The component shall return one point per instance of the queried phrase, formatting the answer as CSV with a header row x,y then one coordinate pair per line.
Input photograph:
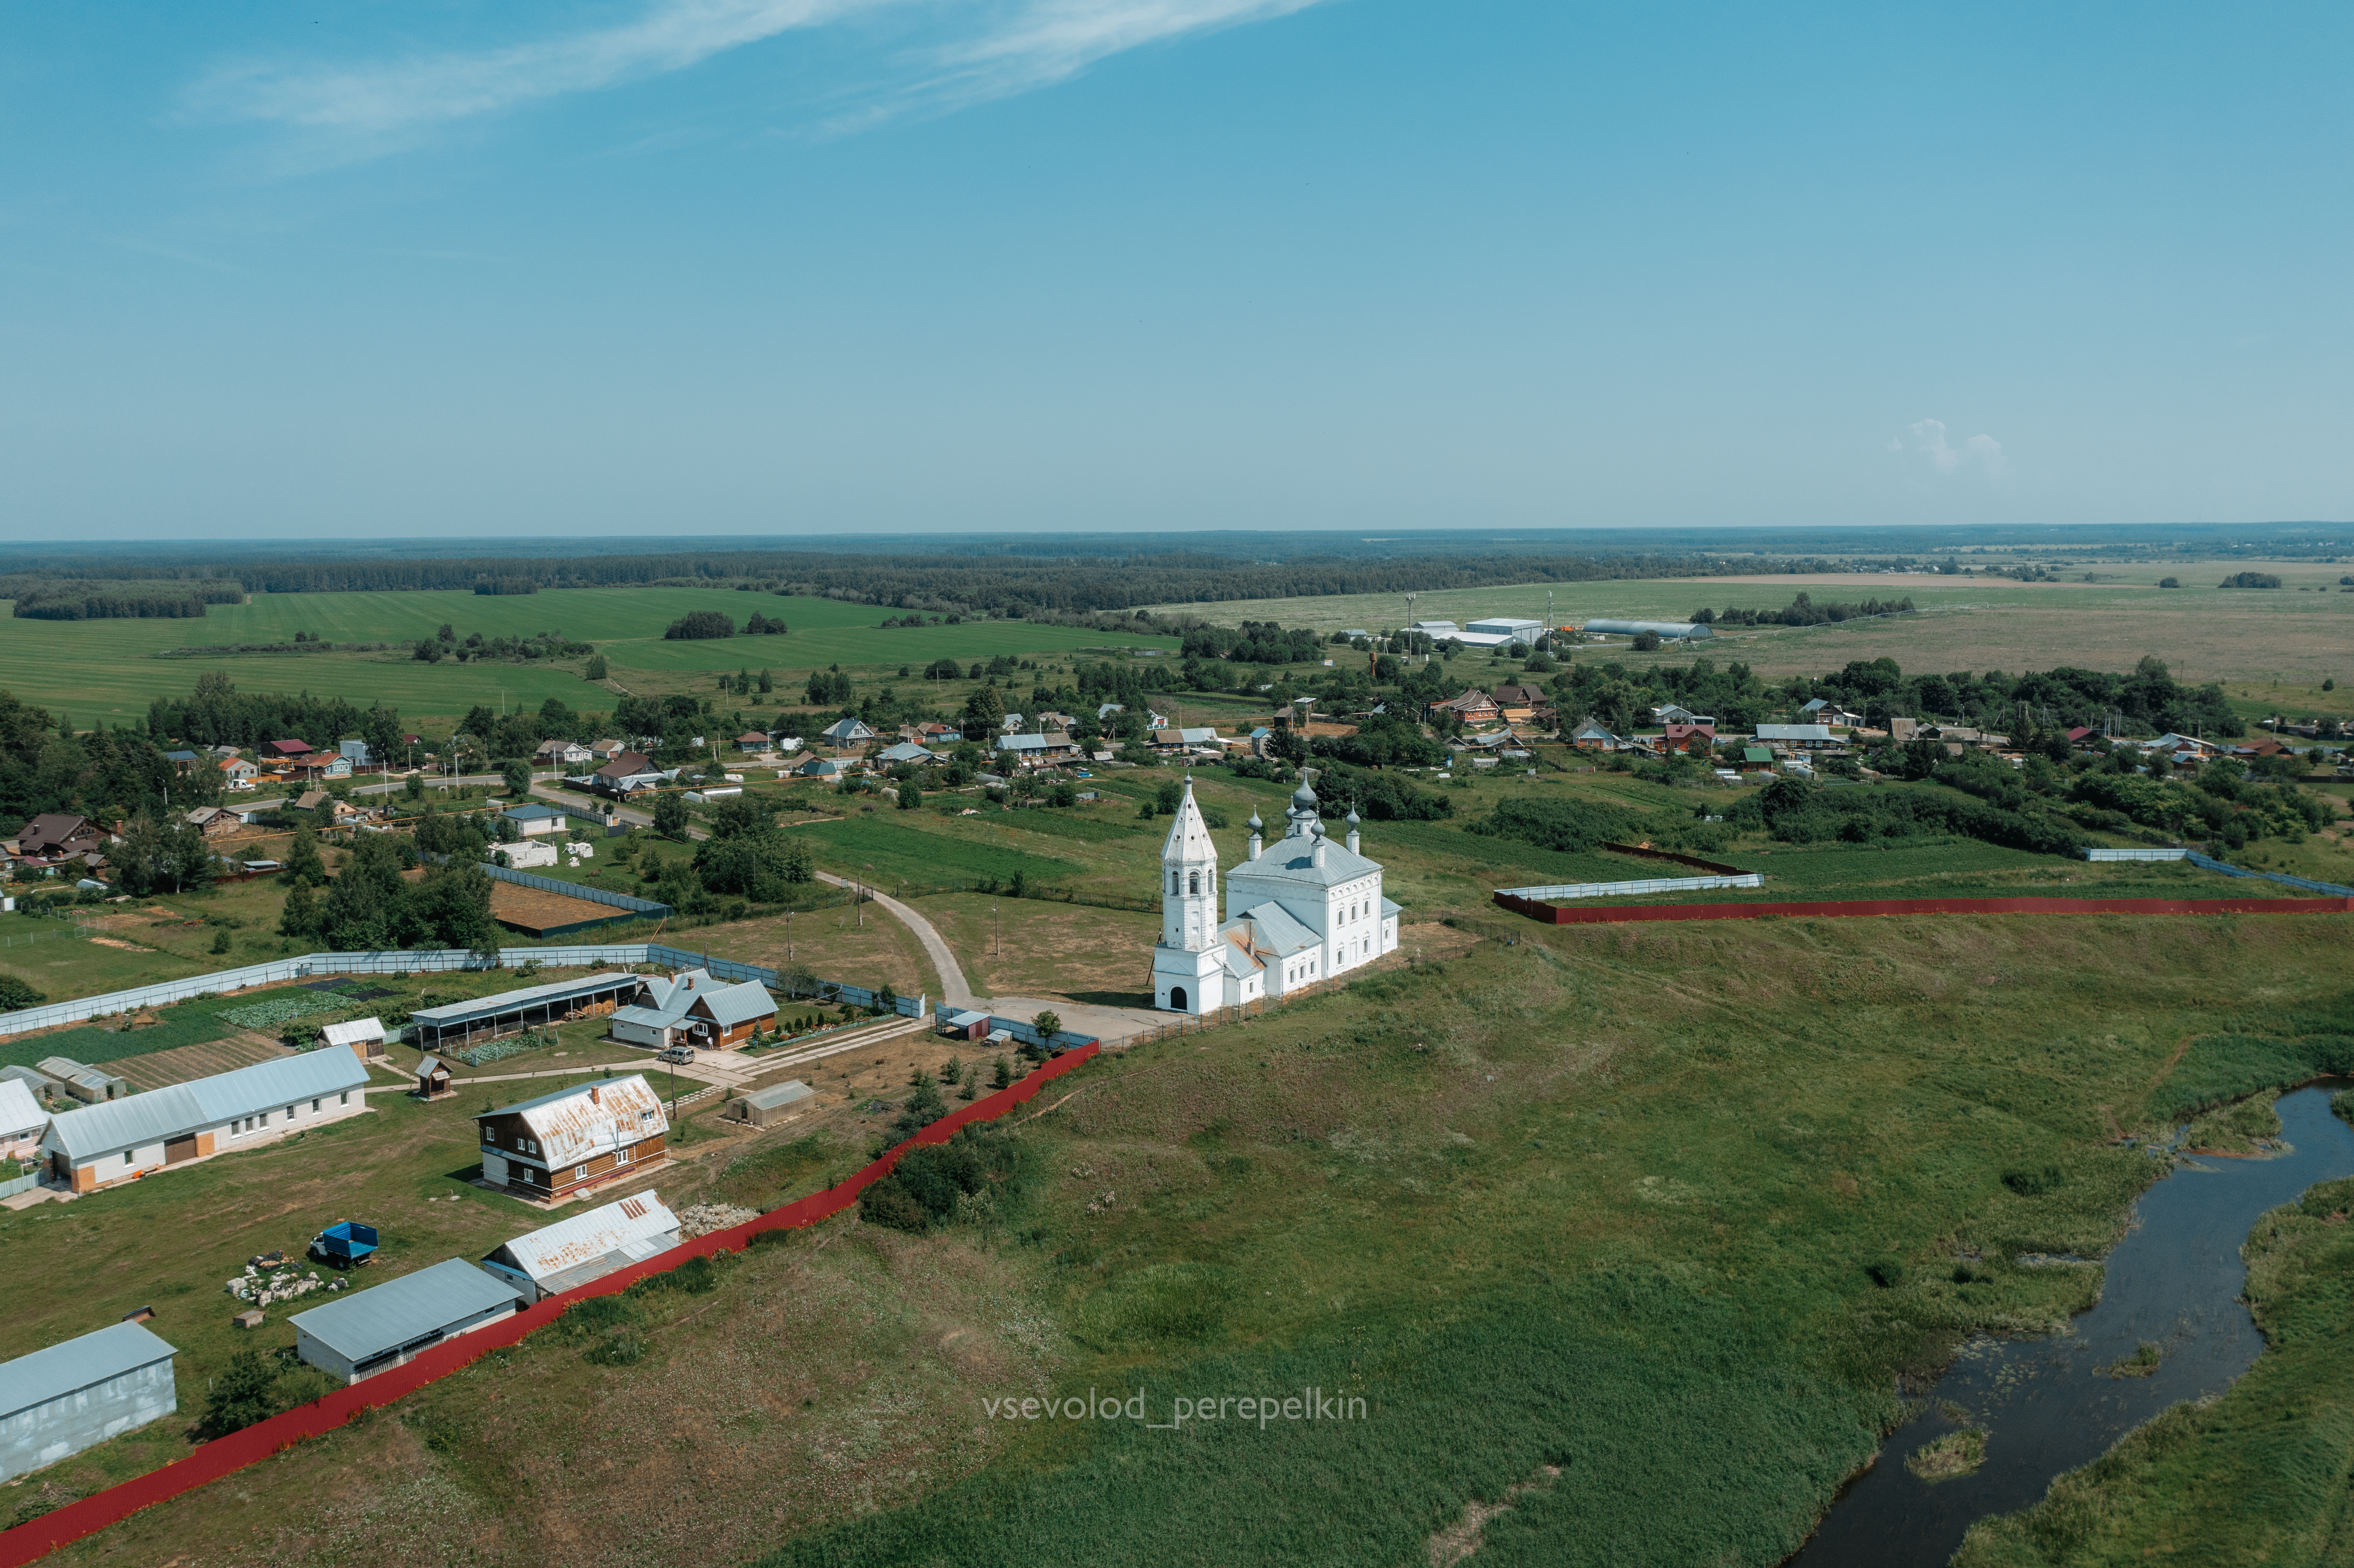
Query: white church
x,y
1304,910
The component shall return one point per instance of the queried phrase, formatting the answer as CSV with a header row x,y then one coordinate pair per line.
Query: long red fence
x,y
227,1456
1556,915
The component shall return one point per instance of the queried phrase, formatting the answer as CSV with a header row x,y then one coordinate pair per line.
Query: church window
x,y
1194,882
1173,883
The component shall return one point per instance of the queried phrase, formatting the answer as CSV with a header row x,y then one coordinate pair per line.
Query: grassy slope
x,y
1615,1218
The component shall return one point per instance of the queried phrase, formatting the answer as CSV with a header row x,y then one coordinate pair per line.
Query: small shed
x,y
765,1107
84,1083
22,1119
363,1037
965,1025
62,1400
432,1080
369,1331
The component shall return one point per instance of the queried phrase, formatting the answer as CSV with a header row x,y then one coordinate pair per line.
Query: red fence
x,y
227,1456
1555,914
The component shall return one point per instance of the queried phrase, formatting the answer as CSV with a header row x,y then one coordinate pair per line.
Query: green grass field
x,y
2260,637
1608,1201
105,669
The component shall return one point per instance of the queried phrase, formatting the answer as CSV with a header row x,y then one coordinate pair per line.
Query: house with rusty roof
x,y
561,1143
570,1253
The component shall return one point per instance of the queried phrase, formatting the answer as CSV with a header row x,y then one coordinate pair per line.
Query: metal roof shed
x,y
764,1107
456,1024
62,1400
376,1330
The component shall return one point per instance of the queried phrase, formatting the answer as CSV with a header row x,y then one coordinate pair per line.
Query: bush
x,y
15,994
245,1392
2033,1183
886,1203
2251,580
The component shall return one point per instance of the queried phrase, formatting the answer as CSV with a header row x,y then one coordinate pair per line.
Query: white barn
x,y
1297,912
120,1140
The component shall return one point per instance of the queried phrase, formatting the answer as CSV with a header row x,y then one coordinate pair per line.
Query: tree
x,y
1002,1076
767,682
737,815
984,713
516,777
220,940
452,908
367,908
669,815
595,669
302,862
15,994
922,1108
380,728
244,1391
1048,1024
910,797
300,918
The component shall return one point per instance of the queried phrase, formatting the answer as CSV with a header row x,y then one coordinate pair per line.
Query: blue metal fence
x,y
2204,863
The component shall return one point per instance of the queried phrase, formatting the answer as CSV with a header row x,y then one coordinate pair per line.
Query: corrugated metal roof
x,y
19,1111
731,1005
159,1114
575,1124
1276,930
1794,732
60,1370
356,1030
629,1229
782,1094
401,1311
508,1000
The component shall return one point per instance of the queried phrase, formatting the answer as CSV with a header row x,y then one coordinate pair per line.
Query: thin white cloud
x,y
1929,439
975,49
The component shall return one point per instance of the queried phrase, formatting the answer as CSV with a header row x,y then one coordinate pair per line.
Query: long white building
x,y
120,1140
1299,911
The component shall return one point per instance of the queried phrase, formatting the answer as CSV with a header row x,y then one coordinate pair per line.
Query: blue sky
x,y
785,266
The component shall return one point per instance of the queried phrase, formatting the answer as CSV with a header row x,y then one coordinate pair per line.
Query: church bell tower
x,y
1189,880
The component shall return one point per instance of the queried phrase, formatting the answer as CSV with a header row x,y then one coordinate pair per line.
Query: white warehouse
x,y
122,1140
57,1402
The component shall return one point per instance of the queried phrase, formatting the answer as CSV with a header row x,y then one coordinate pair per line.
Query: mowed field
x,y
2296,635
106,670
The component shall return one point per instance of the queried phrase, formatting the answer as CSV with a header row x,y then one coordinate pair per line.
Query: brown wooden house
x,y
576,1137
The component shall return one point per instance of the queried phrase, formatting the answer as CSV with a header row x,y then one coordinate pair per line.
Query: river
x,y
2175,1280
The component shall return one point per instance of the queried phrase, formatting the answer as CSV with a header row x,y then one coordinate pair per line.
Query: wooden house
x,y
561,1143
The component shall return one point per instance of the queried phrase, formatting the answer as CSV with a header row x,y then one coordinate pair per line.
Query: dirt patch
x,y
1461,1539
186,1064
535,912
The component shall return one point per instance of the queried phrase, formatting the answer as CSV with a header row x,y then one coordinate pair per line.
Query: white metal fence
x,y
1617,889
313,966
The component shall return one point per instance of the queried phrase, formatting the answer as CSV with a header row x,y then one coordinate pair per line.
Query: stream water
x,y
2175,1281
